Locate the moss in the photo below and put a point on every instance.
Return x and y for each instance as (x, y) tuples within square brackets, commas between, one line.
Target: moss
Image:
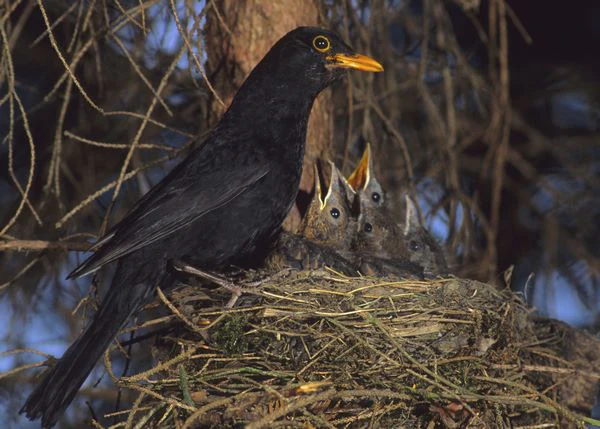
[(229, 335)]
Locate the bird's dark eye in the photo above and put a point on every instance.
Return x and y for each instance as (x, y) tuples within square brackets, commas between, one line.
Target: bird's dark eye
[(321, 43), (335, 213), (376, 197), (368, 227), (414, 245)]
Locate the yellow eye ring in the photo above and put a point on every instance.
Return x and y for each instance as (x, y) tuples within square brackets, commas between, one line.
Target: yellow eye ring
[(321, 43)]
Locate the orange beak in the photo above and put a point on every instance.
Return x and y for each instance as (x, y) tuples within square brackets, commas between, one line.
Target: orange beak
[(357, 62), (359, 178)]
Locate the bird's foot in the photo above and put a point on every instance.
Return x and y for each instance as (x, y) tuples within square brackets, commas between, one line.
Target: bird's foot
[(272, 277), (236, 291), (236, 285)]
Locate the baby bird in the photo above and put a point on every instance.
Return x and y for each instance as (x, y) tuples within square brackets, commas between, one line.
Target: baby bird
[(379, 235), (296, 252), (378, 232), (368, 189), (326, 232), (330, 221)]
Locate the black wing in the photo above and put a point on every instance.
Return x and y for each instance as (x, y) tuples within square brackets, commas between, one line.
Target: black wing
[(193, 189)]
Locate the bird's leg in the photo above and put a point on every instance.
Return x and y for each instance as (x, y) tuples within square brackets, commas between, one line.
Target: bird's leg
[(279, 274), (236, 288), (236, 291)]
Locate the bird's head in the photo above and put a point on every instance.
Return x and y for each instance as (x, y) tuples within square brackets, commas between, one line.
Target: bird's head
[(367, 186), (325, 55), (329, 221), (309, 59)]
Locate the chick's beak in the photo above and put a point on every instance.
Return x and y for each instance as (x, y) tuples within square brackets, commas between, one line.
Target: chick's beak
[(354, 61), (359, 179)]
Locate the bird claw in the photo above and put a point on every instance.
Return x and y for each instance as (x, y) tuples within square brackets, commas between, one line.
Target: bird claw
[(236, 291)]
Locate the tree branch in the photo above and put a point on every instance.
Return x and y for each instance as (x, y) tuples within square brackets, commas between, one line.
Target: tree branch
[(39, 245)]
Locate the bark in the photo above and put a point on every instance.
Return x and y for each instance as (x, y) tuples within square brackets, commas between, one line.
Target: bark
[(238, 35)]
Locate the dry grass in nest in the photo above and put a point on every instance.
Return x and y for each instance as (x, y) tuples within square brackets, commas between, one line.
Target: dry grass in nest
[(322, 350)]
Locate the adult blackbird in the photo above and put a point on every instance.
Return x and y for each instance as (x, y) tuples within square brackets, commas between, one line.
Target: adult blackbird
[(200, 212)]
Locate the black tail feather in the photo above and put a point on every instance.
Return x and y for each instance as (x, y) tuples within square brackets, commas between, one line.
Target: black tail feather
[(53, 395)]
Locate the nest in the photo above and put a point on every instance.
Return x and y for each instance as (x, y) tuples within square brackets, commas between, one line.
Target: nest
[(323, 350)]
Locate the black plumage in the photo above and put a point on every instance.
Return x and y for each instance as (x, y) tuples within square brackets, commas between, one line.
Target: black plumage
[(218, 207)]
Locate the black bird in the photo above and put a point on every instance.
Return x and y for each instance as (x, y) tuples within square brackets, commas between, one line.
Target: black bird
[(216, 208)]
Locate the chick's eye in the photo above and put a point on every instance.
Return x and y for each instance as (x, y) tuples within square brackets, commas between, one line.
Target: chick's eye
[(368, 227), (414, 245), (335, 213), (376, 197), (321, 43)]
